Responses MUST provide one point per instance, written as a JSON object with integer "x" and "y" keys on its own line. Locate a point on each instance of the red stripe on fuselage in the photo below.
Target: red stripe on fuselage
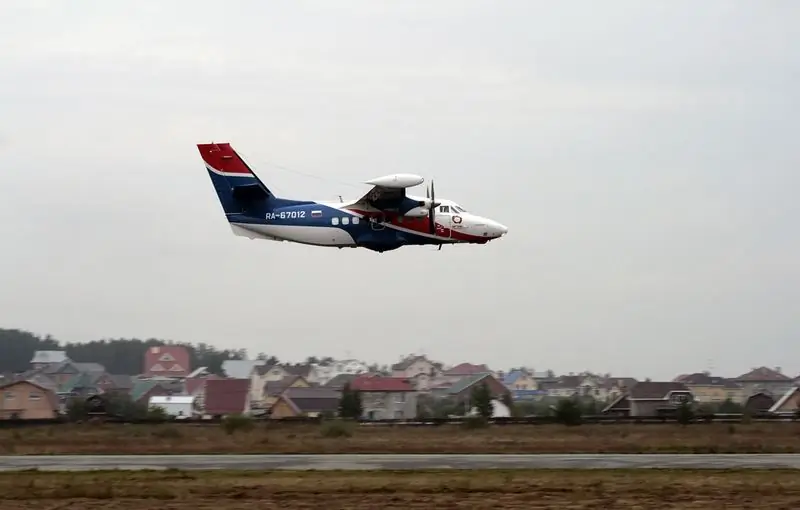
{"x": 222, "y": 157}
{"x": 422, "y": 226}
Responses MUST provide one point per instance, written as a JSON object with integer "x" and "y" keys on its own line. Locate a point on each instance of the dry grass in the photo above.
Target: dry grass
{"x": 276, "y": 438}
{"x": 575, "y": 490}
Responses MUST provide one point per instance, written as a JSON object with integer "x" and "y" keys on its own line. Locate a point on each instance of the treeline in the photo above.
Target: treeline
{"x": 119, "y": 356}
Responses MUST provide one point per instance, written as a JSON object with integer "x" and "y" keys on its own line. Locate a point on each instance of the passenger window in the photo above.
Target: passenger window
{"x": 355, "y": 220}
{"x": 345, "y": 221}
{"x": 444, "y": 209}
{"x": 334, "y": 221}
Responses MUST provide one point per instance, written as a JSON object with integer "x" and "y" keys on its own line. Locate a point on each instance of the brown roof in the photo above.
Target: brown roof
{"x": 763, "y": 374}
{"x": 314, "y": 400}
{"x": 226, "y": 396}
{"x": 625, "y": 382}
{"x": 467, "y": 369}
{"x": 655, "y": 390}
{"x": 370, "y": 382}
{"x": 301, "y": 369}
{"x": 620, "y": 404}
{"x": 705, "y": 379}
{"x": 275, "y": 388}
{"x": 263, "y": 369}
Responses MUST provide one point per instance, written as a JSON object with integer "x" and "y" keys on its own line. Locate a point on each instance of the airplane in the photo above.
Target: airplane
{"x": 384, "y": 219}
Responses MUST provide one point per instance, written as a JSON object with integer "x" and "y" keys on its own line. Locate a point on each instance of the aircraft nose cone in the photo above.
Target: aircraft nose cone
{"x": 498, "y": 229}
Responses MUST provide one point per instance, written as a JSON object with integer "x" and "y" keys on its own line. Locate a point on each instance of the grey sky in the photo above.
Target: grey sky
{"x": 643, "y": 154}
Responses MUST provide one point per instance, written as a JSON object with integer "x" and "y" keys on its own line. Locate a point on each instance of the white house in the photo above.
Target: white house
{"x": 321, "y": 374}
{"x": 499, "y": 410}
{"x": 180, "y": 406}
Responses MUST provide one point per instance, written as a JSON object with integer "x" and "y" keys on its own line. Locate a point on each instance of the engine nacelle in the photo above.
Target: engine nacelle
{"x": 417, "y": 212}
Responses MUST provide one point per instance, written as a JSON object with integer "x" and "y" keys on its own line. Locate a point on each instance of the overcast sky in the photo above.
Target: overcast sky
{"x": 643, "y": 154}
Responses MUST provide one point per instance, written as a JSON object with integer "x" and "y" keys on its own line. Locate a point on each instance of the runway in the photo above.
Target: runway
{"x": 398, "y": 462}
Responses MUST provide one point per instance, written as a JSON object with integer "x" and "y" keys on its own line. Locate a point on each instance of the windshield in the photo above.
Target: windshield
{"x": 457, "y": 208}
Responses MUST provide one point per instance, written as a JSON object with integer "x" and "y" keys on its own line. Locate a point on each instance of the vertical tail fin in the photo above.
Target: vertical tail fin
{"x": 238, "y": 188}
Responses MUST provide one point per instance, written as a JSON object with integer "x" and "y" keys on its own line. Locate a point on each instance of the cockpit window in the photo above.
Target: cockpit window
{"x": 458, "y": 208}
{"x": 444, "y": 208}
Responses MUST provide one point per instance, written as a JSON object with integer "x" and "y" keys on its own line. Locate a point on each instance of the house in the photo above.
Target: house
{"x": 386, "y": 398}
{"x": 708, "y": 389}
{"x": 179, "y": 406}
{"x": 464, "y": 370}
{"x": 273, "y": 389}
{"x": 304, "y": 370}
{"x": 227, "y": 396}
{"x": 24, "y": 400}
{"x": 41, "y": 359}
{"x": 338, "y": 382}
{"x": 119, "y": 384}
{"x": 412, "y": 365}
{"x": 759, "y": 403}
{"x": 322, "y": 373}
{"x": 144, "y": 389}
{"x": 592, "y": 386}
{"x": 196, "y": 387}
{"x": 62, "y": 372}
{"x": 310, "y": 402}
{"x": 620, "y": 406}
{"x": 615, "y": 387}
{"x": 563, "y": 387}
{"x": 461, "y": 391}
{"x": 167, "y": 361}
{"x": 520, "y": 380}
{"x": 765, "y": 380}
{"x": 789, "y": 403}
{"x": 240, "y": 368}
{"x": 260, "y": 376}
{"x": 39, "y": 378}
{"x": 85, "y": 384}
{"x": 650, "y": 398}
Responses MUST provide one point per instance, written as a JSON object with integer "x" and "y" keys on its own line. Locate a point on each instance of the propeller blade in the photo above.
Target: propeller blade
{"x": 431, "y": 219}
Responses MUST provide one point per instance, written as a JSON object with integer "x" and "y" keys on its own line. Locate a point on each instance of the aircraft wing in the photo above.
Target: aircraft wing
{"x": 388, "y": 192}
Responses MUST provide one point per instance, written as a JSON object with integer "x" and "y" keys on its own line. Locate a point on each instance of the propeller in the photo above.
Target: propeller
{"x": 431, "y": 194}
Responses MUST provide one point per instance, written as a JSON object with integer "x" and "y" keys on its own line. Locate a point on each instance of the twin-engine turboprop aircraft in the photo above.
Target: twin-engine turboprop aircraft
{"x": 384, "y": 219}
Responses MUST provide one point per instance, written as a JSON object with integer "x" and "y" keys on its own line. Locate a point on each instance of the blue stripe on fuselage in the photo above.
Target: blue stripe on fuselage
{"x": 300, "y": 214}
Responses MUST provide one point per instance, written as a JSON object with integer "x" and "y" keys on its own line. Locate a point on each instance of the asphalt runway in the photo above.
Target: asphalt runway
{"x": 398, "y": 462}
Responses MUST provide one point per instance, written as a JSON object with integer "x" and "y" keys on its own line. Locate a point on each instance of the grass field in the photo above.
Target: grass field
{"x": 574, "y": 490}
{"x": 304, "y": 438}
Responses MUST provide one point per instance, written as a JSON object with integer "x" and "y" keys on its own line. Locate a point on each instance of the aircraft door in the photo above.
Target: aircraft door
{"x": 445, "y": 217}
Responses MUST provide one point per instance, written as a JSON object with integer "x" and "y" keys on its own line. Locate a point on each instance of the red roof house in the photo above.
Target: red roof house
{"x": 167, "y": 361}
{"x": 227, "y": 396}
{"x": 465, "y": 369}
{"x": 378, "y": 383}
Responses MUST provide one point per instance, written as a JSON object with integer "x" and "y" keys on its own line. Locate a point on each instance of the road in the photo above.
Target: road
{"x": 404, "y": 462}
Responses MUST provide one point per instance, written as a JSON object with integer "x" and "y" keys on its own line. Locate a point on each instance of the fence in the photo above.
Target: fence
{"x": 435, "y": 422}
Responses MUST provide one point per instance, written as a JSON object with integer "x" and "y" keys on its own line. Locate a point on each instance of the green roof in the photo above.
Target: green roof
{"x": 84, "y": 380}
{"x": 466, "y": 382}
{"x": 140, "y": 388}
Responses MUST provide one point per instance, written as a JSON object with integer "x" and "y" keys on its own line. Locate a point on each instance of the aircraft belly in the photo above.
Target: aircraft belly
{"x": 321, "y": 236}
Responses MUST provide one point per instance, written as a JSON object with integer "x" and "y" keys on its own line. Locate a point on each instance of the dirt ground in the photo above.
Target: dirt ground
{"x": 571, "y": 490}
{"x": 304, "y": 438}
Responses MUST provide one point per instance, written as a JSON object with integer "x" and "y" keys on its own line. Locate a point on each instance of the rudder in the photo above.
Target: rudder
{"x": 238, "y": 188}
